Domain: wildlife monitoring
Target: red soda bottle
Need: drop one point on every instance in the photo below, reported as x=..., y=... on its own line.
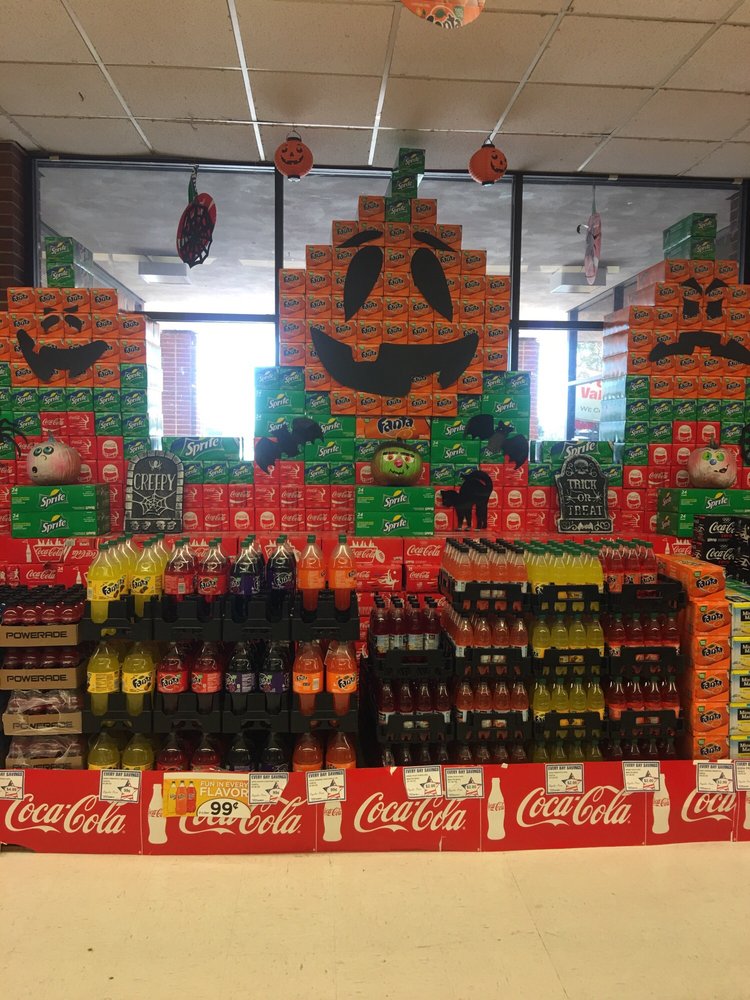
x=500, y=632
x=616, y=635
x=424, y=699
x=615, y=569
x=179, y=576
x=501, y=696
x=443, y=701
x=206, y=676
x=172, y=756
x=205, y=758
x=212, y=579
x=670, y=633
x=311, y=574
x=616, y=699
x=464, y=700
x=414, y=627
x=649, y=567
x=482, y=632
x=342, y=575
x=431, y=625
x=405, y=698
x=397, y=625
x=386, y=703
x=342, y=675
x=519, y=699
x=519, y=636
x=634, y=631
x=172, y=676
x=632, y=565
x=652, y=631
x=652, y=696
x=379, y=631
x=634, y=694
x=670, y=699
x=482, y=697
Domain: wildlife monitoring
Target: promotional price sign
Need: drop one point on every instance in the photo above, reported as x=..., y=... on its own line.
x=192, y=793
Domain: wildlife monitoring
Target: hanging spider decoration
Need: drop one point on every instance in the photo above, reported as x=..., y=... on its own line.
x=195, y=231
x=8, y=433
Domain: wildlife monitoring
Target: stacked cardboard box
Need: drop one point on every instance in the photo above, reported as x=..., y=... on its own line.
x=59, y=511
x=219, y=494
x=692, y=237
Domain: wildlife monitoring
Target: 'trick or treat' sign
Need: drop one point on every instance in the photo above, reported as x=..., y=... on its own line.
x=582, y=489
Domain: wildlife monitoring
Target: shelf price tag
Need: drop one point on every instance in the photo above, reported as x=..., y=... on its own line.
x=209, y=793
x=325, y=786
x=714, y=776
x=423, y=782
x=641, y=775
x=564, y=779
x=119, y=786
x=267, y=786
x=464, y=782
x=741, y=775
x=12, y=785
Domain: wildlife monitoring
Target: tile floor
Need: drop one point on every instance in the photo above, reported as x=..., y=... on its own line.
x=666, y=923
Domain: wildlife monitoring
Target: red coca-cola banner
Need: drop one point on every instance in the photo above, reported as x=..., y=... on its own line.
x=61, y=811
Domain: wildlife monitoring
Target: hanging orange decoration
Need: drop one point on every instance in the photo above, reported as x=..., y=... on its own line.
x=446, y=15
x=293, y=158
x=488, y=164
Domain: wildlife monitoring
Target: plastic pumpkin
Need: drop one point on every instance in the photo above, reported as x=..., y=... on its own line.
x=446, y=15
x=712, y=467
x=53, y=464
x=293, y=158
x=488, y=164
x=396, y=463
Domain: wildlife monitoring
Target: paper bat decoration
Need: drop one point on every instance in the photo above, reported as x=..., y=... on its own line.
x=287, y=442
x=48, y=359
x=501, y=439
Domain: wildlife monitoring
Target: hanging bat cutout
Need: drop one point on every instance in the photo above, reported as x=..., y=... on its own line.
x=689, y=340
x=48, y=359
x=361, y=277
x=287, y=442
x=473, y=494
x=501, y=439
x=396, y=364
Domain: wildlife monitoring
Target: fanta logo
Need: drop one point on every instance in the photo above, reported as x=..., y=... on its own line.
x=603, y=804
x=699, y=806
x=712, y=716
x=396, y=306
x=317, y=254
x=317, y=303
x=388, y=425
x=705, y=582
x=428, y=814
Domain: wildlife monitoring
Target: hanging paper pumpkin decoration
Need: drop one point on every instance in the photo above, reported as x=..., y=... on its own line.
x=195, y=231
x=446, y=15
x=488, y=164
x=53, y=464
x=293, y=158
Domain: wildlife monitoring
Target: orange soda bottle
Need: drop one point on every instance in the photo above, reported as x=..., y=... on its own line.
x=311, y=574
x=342, y=575
x=340, y=752
x=341, y=675
x=308, y=753
x=307, y=676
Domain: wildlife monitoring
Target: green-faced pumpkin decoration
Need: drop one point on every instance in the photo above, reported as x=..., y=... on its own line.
x=712, y=467
x=396, y=463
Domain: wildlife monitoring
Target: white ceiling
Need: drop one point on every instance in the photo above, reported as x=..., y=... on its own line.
x=632, y=86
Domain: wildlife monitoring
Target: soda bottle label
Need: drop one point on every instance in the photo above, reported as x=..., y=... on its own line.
x=431, y=640
x=399, y=642
x=648, y=576
x=273, y=682
x=462, y=716
x=311, y=579
x=105, y=767
x=148, y=585
x=179, y=584
x=172, y=681
x=205, y=681
x=138, y=682
x=341, y=683
x=101, y=681
x=382, y=644
x=384, y=718
x=343, y=578
x=307, y=683
x=628, y=578
x=239, y=682
x=415, y=642
x=103, y=590
x=212, y=584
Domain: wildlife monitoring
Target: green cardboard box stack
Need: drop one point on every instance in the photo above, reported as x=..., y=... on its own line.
x=59, y=511
x=692, y=238
x=677, y=508
x=210, y=459
x=59, y=256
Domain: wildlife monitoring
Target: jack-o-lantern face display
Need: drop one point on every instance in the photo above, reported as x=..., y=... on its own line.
x=53, y=464
x=488, y=164
x=293, y=158
x=712, y=467
x=396, y=464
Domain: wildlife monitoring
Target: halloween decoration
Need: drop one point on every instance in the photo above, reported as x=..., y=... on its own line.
x=488, y=164
x=582, y=491
x=688, y=340
x=446, y=15
x=287, y=442
x=195, y=231
x=8, y=434
x=712, y=466
x=53, y=464
x=501, y=438
x=293, y=158
x=396, y=365
x=473, y=494
x=154, y=492
x=593, y=250
x=48, y=359
x=396, y=463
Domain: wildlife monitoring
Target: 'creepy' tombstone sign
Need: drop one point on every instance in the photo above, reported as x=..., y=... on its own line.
x=153, y=498
x=582, y=489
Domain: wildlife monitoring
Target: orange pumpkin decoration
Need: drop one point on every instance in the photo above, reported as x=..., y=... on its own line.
x=488, y=164
x=293, y=158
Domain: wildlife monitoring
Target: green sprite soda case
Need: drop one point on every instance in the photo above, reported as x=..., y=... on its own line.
x=81, y=496
x=59, y=524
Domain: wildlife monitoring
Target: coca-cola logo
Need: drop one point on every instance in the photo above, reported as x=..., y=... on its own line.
x=603, y=804
x=426, y=550
x=263, y=820
x=428, y=814
x=700, y=806
x=41, y=575
x=84, y=816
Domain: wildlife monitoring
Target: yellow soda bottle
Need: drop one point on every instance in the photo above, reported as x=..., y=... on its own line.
x=104, y=753
x=541, y=700
x=103, y=583
x=162, y=551
x=131, y=554
x=576, y=633
x=559, y=696
x=577, y=696
x=559, y=633
x=595, y=697
x=595, y=635
x=138, y=755
x=147, y=578
x=540, y=638
x=103, y=676
x=138, y=675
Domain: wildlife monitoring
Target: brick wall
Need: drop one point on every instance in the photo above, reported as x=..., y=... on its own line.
x=528, y=361
x=14, y=238
x=179, y=403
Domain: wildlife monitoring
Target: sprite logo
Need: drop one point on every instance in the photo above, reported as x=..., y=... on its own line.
x=398, y=497
x=396, y=522
x=332, y=448
x=55, y=496
x=456, y=428
x=279, y=400
x=719, y=500
x=55, y=523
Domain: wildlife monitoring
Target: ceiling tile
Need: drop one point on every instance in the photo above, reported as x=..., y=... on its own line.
x=615, y=52
x=648, y=156
x=39, y=32
x=742, y=14
x=9, y=131
x=690, y=114
x=730, y=160
x=315, y=98
x=308, y=37
x=85, y=136
x=74, y=91
x=720, y=64
x=153, y=92
x=171, y=33
x=330, y=146
x=444, y=104
x=743, y=136
x=672, y=10
x=558, y=109
x=525, y=6
x=202, y=140
x=496, y=47
x=545, y=152
x=444, y=150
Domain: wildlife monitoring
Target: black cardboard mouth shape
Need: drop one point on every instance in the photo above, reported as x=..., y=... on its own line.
x=396, y=365
x=689, y=340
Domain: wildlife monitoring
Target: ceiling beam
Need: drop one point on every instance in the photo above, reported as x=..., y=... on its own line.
x=232, y=8
x=396, y=14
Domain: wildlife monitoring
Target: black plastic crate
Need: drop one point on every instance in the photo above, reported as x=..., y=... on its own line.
x=471, y=596
x=411, y=665
x=326, y=622
x=588, y=723
x=186, y=714
x=422, y=727
x=117, y=712
x=646, y=723
x=664, y=595
x=120, y=623
x=573, y=598
x=492, y=726
x=252, y=711
x=324, y=718
x=191, y=618
x=645, y=660
x=260, y=616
